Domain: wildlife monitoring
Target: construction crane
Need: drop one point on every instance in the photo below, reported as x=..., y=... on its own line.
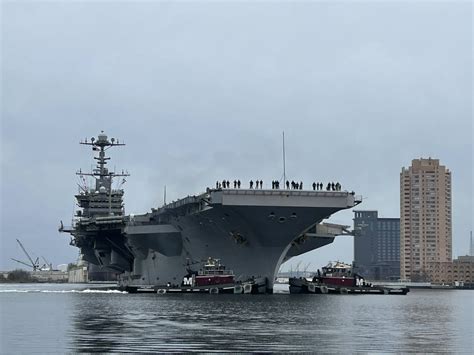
x=298, y=268
x=47, y=266
x=34, y=264
x=305, y=271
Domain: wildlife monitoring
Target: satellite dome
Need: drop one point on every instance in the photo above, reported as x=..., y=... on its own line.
x=102, y=190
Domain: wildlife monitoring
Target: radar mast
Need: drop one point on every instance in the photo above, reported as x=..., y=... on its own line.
x=102, y=199
x=101, y=173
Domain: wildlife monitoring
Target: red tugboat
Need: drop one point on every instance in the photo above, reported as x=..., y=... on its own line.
x=213, y=277
x=339, y=274
x=338, y=277
x=213, y=273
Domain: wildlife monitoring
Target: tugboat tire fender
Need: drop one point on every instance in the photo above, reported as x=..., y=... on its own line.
x=324, y=289
x=161, y=291
x=214, y=290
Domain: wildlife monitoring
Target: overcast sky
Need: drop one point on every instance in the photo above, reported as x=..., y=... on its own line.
x=201, y=91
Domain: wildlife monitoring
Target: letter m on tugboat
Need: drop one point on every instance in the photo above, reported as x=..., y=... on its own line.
x=188, y=281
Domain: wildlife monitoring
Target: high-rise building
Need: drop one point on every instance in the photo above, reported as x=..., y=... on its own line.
x=376, y=246
x=425, y=217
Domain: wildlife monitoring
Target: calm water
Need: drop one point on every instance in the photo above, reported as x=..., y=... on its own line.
x=70, y=318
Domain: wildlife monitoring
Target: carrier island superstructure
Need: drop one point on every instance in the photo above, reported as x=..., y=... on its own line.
x=252, y=231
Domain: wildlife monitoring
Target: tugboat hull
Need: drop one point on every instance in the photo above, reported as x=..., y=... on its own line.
x=301, y=285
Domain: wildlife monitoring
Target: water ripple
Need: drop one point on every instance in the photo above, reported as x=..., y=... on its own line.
x=85, y=321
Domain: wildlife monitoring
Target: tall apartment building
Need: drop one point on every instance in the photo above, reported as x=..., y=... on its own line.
x=376, y=246
x=425, y=217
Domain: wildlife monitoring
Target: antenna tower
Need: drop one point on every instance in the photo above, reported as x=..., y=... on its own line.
x=284, y=160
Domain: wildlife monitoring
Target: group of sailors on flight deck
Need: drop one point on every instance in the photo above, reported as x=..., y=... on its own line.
x=319, y=186
x=294, y=185
x=331, y=186
x=225, y=184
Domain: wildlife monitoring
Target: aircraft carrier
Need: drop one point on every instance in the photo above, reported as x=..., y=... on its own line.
x=251, y=231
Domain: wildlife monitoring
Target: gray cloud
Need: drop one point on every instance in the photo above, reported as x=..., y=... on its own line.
x=202, y=91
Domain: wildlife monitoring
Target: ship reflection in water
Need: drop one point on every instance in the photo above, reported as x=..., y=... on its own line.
x=427, y=321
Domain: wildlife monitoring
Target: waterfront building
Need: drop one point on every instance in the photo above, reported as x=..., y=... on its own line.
x=460, y=271
x=376, y=246
x=425, y=218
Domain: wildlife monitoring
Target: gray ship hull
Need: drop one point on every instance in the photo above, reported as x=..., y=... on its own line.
x=251, y=231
